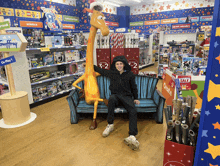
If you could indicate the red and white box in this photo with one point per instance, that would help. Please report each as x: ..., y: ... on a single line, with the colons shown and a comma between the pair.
x: 185, y: 82
x: 132, y: 55
x: 103, y: 58
x: 178, y: 154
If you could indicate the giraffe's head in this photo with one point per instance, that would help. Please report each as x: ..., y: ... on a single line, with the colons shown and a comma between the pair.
x: 98, y: 20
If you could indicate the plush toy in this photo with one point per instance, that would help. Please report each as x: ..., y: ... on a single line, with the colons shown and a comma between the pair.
x: 92, y: 95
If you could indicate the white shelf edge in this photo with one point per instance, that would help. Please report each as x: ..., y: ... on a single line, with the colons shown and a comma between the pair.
x: 53, y: 79
x: 145, y: 65
x: 40, y: 67
x: 64, y: 91
x: 58, y: 47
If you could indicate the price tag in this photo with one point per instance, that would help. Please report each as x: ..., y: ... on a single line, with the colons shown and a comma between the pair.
x: 44, y: 49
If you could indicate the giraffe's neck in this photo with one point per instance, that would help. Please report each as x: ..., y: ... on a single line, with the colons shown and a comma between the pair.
x: 90, y: 48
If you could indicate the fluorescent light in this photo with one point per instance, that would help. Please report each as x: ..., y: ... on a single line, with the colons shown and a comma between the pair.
x: 113, y: 4
x: 137, y: 0
x: 157, y: 1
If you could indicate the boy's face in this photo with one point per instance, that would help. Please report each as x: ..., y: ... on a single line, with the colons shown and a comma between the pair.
x: 119, y: 66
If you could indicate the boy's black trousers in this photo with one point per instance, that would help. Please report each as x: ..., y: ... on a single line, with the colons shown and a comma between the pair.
x: 128, y: 103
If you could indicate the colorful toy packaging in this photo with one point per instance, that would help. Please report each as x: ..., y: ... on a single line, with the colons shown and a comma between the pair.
x: 39, y: 76
x: 59, y: 57
x: 48, y: 59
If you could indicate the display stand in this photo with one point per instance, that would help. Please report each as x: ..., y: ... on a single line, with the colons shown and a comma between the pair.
x: 169, y: 91
x: 14, y: 105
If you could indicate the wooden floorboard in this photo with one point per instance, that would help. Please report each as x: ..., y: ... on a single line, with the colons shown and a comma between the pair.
x: 51, y: 140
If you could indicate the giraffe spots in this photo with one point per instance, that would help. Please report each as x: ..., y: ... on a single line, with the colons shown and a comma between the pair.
x: 86, y: 75
x: 89, y: 41
x: 85, y: 83
x: 94, y: 96
x: 87, y: 94
x: 94, y: 74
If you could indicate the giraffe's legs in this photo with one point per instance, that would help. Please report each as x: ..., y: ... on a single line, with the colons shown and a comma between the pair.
x: 78, y: 81
x: 94, y: 123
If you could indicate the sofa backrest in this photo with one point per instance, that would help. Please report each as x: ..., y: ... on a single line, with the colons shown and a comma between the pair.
x: 146, y: 86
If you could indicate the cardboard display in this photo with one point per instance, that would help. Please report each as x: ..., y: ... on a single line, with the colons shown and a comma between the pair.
x: 103, y: 58
x: 178, y: 154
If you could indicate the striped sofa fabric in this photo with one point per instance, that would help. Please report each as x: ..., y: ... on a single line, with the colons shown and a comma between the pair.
x: 151, y: 100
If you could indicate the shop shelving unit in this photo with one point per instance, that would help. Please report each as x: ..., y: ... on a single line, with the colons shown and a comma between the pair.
x: 31, y: 51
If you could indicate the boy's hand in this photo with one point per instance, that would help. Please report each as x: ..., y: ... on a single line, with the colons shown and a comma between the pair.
x: 137, y: 102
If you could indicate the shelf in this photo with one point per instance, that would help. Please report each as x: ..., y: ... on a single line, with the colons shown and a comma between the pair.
x: 142, y: 66
x: 64, y: 63
x: 59, y: 47
x: 64, y: 91
x: 53, y: 79
x: 3, y: 82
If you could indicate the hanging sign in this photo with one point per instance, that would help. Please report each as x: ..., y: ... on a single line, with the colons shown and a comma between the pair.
x: 4, y: 25
x: 153, y: 22
x: 169, y: 21
x: 180, y: 26
x: 52, y: 21
x: 70, y: 19
x: 206, y: 18
x: 6, y: 11
x: 140, y: 23
x: 12, y: 43
x: 32, y: 24
x: 7, y: 61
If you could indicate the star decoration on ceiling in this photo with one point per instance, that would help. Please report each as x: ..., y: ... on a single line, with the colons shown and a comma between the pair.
x: 177, y: 3
x: 217, y: 107
x: 168, y: 6
x: 207, y: 113
x: 218, y: 58
x: 204, y: 133
x: 212, y: 165
x: 187, y: 5
x: 216, y: 44
x: 213, y: 150
x: 161, y: 8
x: 216, y: 125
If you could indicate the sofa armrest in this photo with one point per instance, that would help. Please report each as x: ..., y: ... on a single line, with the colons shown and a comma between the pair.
x: 157, y: 95
x: 73, y: 101
x: 159, y: 99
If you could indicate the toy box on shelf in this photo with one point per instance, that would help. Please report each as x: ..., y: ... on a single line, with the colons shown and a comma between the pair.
x: 155, y: 47
x: 144, y: 54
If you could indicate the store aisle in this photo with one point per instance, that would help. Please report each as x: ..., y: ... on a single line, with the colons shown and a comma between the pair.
x: 51, y: 140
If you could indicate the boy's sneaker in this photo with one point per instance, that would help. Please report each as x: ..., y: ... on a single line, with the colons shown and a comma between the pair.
x: 132, y: 142
x: 109, y: 128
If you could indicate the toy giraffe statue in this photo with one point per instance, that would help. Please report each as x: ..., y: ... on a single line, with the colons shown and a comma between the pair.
x: 91, y: 89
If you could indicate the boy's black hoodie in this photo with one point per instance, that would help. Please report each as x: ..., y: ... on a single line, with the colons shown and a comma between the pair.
x: 124, y: 83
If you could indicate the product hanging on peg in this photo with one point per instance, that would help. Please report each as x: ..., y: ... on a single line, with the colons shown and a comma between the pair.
x: 170, y: 132
x: 185, y: 129
x: 192, y: 138
x: 174, y: 106
x: 166, y: 115
x: 178, y: 131
x: 193, y: 104
x: 179, y: 106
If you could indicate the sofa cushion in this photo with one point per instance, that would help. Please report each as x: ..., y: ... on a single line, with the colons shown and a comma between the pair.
x: 144, y: 103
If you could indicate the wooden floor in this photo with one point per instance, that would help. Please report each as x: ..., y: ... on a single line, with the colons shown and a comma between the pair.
x: 52, y: 141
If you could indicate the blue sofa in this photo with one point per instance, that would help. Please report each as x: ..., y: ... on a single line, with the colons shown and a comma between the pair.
x: 151, y: 100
